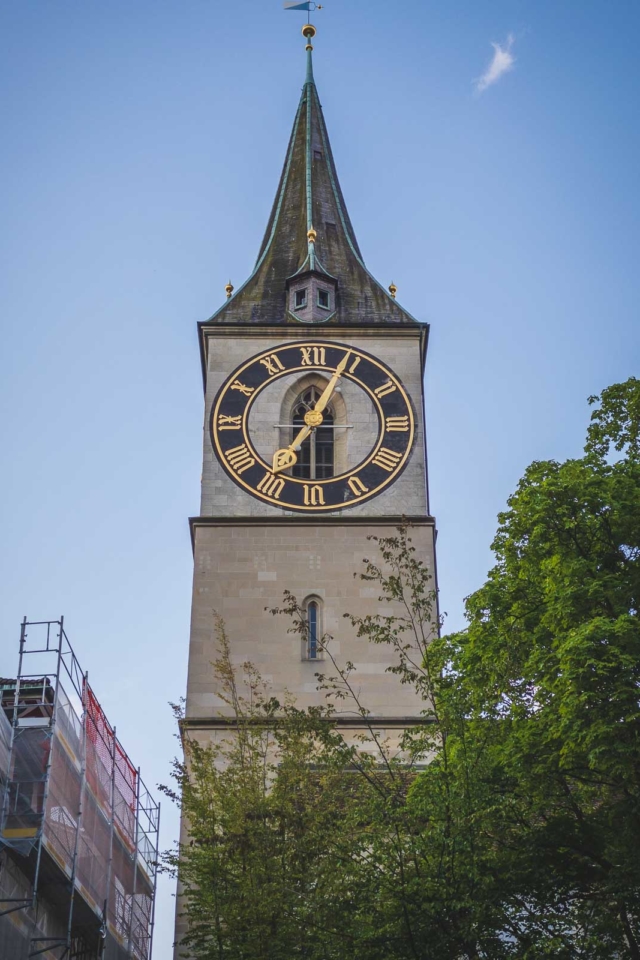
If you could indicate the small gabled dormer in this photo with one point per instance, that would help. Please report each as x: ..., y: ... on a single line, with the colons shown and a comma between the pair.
x: 312, y: 292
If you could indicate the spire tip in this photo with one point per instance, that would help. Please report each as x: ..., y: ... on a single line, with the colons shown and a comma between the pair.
x: 309, y: 32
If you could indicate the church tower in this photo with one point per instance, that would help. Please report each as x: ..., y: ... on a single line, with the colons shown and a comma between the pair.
x: 314, y: 440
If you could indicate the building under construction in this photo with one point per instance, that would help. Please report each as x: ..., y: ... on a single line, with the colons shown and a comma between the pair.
x: 78, y: 828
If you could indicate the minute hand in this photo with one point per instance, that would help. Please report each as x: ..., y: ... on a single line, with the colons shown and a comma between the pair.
x: 325, y: 396
x: 287, y: 457
x: 322, y: 400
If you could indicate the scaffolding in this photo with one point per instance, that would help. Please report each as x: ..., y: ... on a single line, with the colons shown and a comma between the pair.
x: 78, y: 827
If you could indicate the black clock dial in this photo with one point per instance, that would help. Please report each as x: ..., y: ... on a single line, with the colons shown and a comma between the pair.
x: 272, y: 481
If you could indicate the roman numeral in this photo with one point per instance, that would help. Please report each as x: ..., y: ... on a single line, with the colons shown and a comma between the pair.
x: 357, y: 486
x: 396, y: 424
x: 272, y: 363
x: 384, y: 389
x: 239, y: 458
x: 229, y: 423
x: 236, y: 385
x: 387, y: 459
x: 313, y: 496
x: 354, y: 364
x: 313, y: 357
x: 271, y: 486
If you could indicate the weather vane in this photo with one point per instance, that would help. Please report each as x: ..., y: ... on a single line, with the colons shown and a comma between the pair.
x: 308, y: 5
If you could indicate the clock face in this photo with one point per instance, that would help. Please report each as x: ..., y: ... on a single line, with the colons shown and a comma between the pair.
x: 291, y: 464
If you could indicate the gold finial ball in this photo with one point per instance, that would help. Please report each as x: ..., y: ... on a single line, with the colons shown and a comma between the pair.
x: 311, y: 235
x: 228, y: 289
x: 309, y: 31
x: 393, y: 289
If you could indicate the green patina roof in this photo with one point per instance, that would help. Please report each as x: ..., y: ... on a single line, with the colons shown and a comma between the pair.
x: 308, y: 195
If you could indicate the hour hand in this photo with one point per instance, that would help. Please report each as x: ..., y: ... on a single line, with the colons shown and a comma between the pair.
x: 287, y: 457
x: 283, y: 459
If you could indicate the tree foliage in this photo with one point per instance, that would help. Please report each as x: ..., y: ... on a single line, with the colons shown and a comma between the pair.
x: 509, y: 827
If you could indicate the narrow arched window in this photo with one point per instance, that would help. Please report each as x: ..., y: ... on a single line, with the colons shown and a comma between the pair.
x: 313, y: 626
x: 315, y: 457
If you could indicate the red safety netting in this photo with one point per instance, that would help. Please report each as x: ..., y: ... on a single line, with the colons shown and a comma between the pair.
x: 104, y: 752
x: 108, y: 870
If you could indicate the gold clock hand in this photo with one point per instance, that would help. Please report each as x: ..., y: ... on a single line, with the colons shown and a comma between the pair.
x: 302, y: 436
x: 328, y: 391
x: 286, y: 457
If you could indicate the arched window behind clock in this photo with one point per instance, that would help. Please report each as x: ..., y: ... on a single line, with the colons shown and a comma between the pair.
x: 315, y: 458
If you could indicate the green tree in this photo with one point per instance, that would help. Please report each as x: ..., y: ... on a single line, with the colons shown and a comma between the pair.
x: 546, y: 684
x: 265, y: 806
x: 509, y: 826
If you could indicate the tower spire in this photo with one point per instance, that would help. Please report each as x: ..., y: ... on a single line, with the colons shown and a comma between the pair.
x: 310, y: 232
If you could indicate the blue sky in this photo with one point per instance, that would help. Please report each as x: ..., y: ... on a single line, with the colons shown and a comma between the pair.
x: 142, y: 147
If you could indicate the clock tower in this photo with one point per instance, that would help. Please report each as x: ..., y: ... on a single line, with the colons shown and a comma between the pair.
x: 313, y: 441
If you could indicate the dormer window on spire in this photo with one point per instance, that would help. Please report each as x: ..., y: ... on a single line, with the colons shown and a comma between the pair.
x: 312, y: 296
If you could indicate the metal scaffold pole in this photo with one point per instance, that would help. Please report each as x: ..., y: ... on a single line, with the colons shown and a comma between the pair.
x: 155, y: 882
x: 83, y: 781
x: 112, y: 823
x: 18, y: 903
x: 57, y: 941
x: 54, y: 713
x: 135, y: 862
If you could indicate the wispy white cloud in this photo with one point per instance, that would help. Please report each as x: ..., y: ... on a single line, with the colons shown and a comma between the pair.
x: 503, y: 61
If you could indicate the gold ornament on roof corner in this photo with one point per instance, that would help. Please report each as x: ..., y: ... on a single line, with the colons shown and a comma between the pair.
x: 393, y: 289
x: 229, y: 289
x: 311, y: 235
